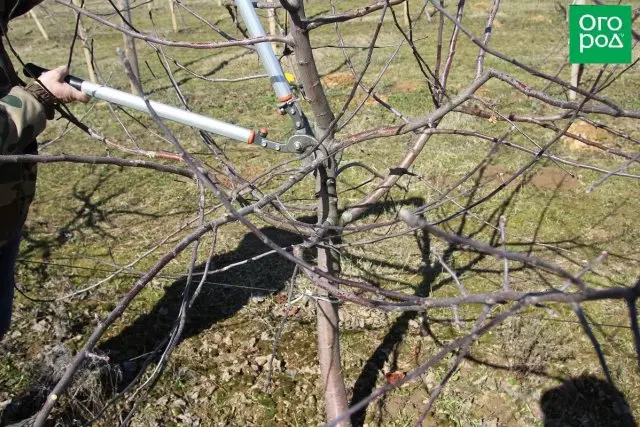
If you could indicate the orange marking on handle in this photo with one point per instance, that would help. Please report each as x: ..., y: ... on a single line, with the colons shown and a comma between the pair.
x: 285, y: 98
x: 252, y: 137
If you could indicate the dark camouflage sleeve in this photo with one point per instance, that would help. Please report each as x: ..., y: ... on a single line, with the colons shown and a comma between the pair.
x: 10, y: 9
x: 22, y: 118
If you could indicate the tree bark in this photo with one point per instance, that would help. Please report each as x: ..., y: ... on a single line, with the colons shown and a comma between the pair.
x: 273, y: 27
x: 129, y: 42
x: 82, y: 34
x: 576, y: 69
x: 308, y: 73
x: 33, y: 15
x: 174, y: 20
x: 328, y: 324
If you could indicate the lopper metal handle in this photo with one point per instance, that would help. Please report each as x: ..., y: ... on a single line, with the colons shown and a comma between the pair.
x: 34, y: 71
x: 169, y: 112
x: 269, y: 61
x: 229, y: 130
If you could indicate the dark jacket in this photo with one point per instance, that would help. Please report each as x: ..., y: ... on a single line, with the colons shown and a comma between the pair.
x: 22, y: 118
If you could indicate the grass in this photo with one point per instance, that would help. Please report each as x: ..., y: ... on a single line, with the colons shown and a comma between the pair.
x: 87, y: 218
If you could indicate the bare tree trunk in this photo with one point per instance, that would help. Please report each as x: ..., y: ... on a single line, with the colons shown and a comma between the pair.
x: 129, y: 42
x: 309, y: 76
x: 85, y: 47
x: 576, y: 74
x: 328, y: 259
x: 273, y: 27
x: 407, y: 21
x: 576, y: 69
x: 174, y: 21
x: 33, y: 15
x: 328, y: 322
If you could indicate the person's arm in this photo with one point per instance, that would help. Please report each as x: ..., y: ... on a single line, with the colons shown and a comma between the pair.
x: 22, y: 118
x: 24, y: 111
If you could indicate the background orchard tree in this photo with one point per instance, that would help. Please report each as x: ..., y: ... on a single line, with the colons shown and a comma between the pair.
x: 466, y: 225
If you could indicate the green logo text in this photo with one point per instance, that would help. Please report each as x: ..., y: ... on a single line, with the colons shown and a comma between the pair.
x: 599, y: 34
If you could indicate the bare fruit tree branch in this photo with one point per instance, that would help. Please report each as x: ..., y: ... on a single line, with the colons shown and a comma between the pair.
x: 422, y: 130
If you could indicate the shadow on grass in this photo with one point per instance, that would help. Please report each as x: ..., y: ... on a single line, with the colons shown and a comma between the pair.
x: 93, y: 212
x: 431, y: 270
x: 222, y: 296
x: 386, y: 352
x: 586, y: 401
x: 388, y: 348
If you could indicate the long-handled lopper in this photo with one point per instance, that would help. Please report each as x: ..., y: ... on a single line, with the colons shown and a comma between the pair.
x: 297, y: 143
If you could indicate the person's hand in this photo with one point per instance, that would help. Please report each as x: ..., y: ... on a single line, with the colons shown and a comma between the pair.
x: 53, y: 81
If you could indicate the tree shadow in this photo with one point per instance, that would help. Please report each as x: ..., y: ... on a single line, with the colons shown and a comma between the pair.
x: 430, y: 271
x: 93, y: 211
x: 222, y: 295
x: 586, y: 401
x: 561, y: 248
x: 94, y: 214
x: 388, y: 348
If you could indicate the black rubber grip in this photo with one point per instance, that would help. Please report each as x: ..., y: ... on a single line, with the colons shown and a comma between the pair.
x: 34, y: 71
